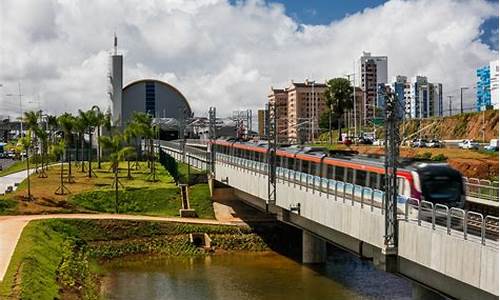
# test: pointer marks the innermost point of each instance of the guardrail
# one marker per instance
(455, 220)
(337, 190)
(481, 188)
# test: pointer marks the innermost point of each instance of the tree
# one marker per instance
(90, 121)
(144, 128)
(100, 121)
(117, 152)
(79, 126)
(58, 150)
(25, 143)
(338, 95)
(67, 122)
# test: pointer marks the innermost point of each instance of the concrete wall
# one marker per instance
(360, 223)
(466, 261)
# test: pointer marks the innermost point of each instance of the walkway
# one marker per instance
(12, 180)
(11, 228)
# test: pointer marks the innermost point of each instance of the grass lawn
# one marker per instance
(43, 266)
(14, 168)
(138, 195)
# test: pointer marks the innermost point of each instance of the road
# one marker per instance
(5, 163)
(11, 228)
(12, 179)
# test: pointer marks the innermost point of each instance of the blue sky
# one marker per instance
(325, 11)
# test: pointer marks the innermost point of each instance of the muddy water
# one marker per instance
(252, 276)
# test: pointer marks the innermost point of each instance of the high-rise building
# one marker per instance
(418, 98)
(278, 99)
(426, 98)
(298, 110)
(262, 116)
(487, 87)
(373, 71)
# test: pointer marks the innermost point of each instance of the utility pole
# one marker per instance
(462, 99)
(392, 141)
(449, 104)
(272, 147)
(212, 135)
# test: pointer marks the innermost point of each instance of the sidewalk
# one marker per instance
(12, 179)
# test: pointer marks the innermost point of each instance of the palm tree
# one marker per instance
(30, 119)
(80, 124)
(25, 143)
(58, 150)
(100, 121)
(144, 129)
(90, 121)
(67, 123)
(117, 152)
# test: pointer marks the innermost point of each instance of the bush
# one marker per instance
(423, 156)
(439, 157)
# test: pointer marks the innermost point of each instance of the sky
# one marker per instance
(229, 53)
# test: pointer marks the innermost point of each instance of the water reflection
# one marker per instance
(253, 276)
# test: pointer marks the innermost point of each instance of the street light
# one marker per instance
(20, 105)
(461, 99)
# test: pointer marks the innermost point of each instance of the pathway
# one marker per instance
(11, 228)
(12, 180)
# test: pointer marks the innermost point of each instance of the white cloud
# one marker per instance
(224, 55)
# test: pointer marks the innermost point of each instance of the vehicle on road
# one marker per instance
(434, 144)
(468, 144)
(419, 143)
(379, 142)
(493, 146)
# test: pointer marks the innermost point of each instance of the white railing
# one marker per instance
(481, 188)
(455, 220)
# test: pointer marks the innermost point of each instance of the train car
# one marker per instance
(433, 182)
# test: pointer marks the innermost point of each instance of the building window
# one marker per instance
(150, 98)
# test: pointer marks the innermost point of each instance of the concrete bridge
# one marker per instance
(443, 251)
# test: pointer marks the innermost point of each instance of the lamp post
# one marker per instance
(20, 104)
(462, 99)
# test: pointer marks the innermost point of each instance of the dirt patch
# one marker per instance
(476, 168)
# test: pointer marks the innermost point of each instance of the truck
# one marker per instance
(468, 144)
(493, 146)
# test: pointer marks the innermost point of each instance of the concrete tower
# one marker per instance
(116, 80)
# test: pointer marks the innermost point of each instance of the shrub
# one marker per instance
(439, 157)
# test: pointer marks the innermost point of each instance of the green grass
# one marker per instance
(14, 168)
(140, 196)
(37, 269)
(7, 205)
(33, 266)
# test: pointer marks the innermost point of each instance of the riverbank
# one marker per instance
(60, 258)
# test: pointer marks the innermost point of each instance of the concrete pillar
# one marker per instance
(313, 249)
(419, 292)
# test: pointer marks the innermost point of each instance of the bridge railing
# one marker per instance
(481, 188)
(456, 221)
(336, 190)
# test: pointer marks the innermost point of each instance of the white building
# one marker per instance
(372, 72)
(495, 96)
(421, 98)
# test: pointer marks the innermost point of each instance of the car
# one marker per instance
(434, 144)
(493, 146)
(468, 144)
(419, 143)
(379, 142)
(365, 141)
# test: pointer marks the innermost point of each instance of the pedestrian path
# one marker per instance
(12, 180)
(11, 228)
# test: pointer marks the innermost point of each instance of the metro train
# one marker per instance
(433, 182)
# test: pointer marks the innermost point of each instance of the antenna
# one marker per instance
(115, 43)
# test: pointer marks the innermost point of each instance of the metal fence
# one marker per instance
(195, 157)
(454, 220)
(481, 188)
(333, 189)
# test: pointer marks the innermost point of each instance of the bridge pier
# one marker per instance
(313, 249)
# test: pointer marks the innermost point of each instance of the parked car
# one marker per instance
(419, 143)
(365, 141)
(468, 144)
(379, 142)
(434, 144)
(493, 146)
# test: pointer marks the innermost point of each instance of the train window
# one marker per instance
(349, 175)
(360, 178)
(305, 166)
(290, 163)
(339, 173)
(372, 180)
(330, 171)
(381, 185)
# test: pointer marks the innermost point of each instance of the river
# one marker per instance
(250, 276)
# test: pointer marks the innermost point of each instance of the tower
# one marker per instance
(116, 80)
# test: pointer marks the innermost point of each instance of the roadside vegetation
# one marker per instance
(57, 259)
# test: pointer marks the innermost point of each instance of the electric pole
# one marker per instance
(462, 99)
(449, 104)
(271, 152)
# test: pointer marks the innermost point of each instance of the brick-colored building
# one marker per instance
(299, 108)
